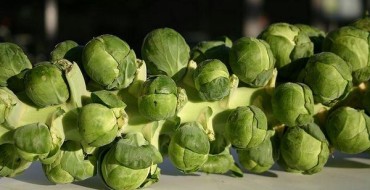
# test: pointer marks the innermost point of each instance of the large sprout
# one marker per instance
(316, 35)
(212, 80)
(304, 149)
(328, 76)
(252, 61)
(246, 127)
(166, 52)
(109, 61)
(130, 162)
(363, 23)
(71, 164)
(12, 62)
(259, 159)
(69, 50)
(158, 98)
(189, 147)
(348, 130)
(11, 163)
(353, 46)
(45, 85)
(293, 104)
(288, 43)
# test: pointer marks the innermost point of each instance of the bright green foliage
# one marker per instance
(166, 52)
(304, 149)
(12, 62)
(348, 130)
(328, 76)
(109, 61)
(293, 104)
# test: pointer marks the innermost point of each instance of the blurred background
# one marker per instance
(37, 26)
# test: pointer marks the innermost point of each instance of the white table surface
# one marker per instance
(349, 172)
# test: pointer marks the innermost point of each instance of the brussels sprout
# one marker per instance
(293, 104)
(189, 147)
(211, 79)
(328, 76)
(71, 164)
(12, 62)
(69, 50)
(99, 125)
(246, 127)
(128, 163)
(11, 164)
(316, 35)
(109, 61)
(363, 23)
(258, 159)
(33, 141)
(252, 61)
(158, 98)
(8, 100)
(288, 43)
(166, 52)
(353, 46)
(304, 149)
(348, 130)
(45, 85)
(218, 49)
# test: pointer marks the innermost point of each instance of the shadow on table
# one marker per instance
(341, 160)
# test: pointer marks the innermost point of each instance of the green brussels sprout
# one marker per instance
(363, 23)
(304, 149)
(11, 164)
(166, 52)
(253, 70)
(8, 100)
(353, 46)
(12, 62)
(293, 104)
(72, 164)
(128, 163)
(348, 130)
(158, 98)
(211, 79)
(246, 127)
(109, 61)
(288, 43)
(218, 49)
(189, 147)
(328, 76)
(316, 35)
(99, 125)
(258, 159)
(45, 85)
(33, 141)
(69, 50)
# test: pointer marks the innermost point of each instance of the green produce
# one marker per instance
(69, 50)
(304, 149)
(71, 164)
(329, 78)
(316, 35)
(11, 164)
(246, 127)
(12, 62)
(166, 52)
(217, 49)
(189, 147)
(212, 80)
(288, 44)
(109, 61)
(348, 130)
(293, 104)
(252, 61)
(353, 46)
(130, 163)
(45, 85)
(363, 23)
